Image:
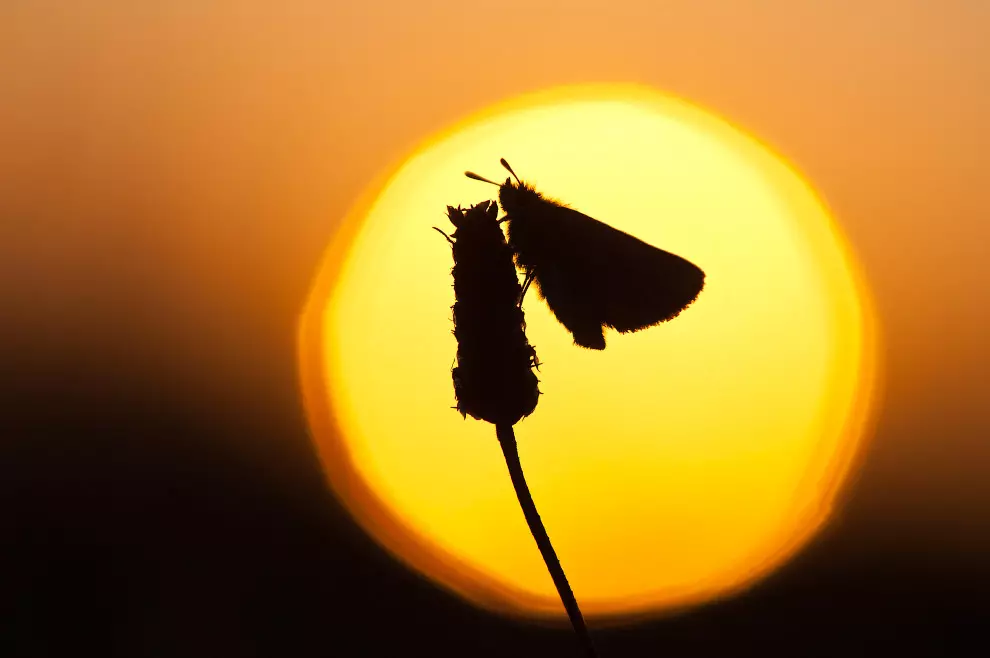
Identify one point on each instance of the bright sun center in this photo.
(678, 465)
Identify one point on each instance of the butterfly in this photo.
(591, 275)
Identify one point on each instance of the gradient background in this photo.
(170, 174)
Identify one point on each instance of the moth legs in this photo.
(530, 275)
(534, 361)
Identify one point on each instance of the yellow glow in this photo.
(678, 465)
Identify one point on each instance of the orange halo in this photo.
(478, 581)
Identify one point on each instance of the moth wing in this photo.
(592, 271)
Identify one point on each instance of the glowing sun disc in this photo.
(679, 465)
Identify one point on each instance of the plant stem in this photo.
(507, 439)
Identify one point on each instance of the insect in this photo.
(591, 275)
(493, 378)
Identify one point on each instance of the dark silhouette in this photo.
(494, 378)
(592, 275)
(154, 507)
(507, 439)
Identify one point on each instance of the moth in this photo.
(493, 379)
(591, 275)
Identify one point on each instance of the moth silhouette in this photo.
(591, 275)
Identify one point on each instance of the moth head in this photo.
(517, 197)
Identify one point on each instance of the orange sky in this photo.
(188, 162)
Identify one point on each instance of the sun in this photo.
(679, 465)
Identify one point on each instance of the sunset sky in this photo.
(718, 440)
(171, 174)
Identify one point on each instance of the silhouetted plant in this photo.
(494, 379)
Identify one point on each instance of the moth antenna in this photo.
(506, 165)
(449, 239)
(471, 174)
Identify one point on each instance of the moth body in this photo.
(592, 276)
